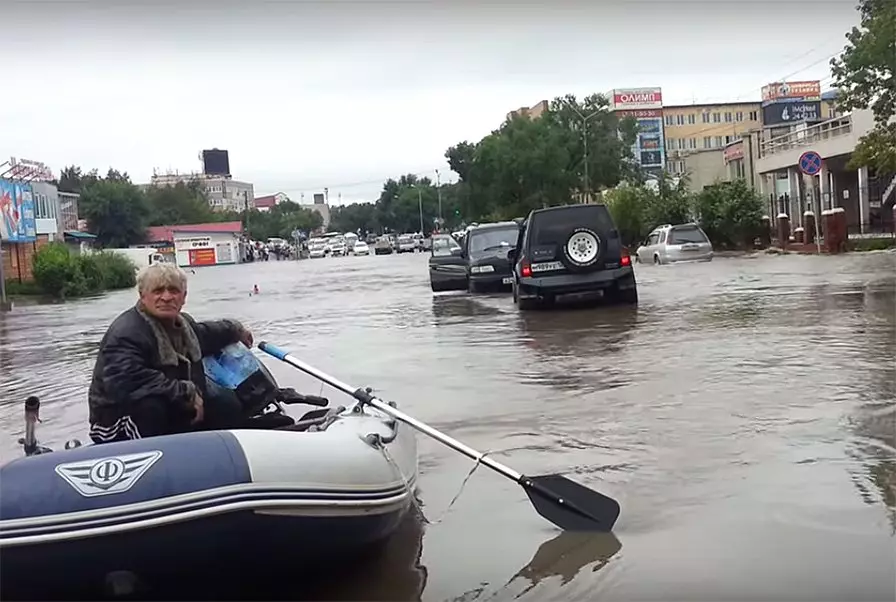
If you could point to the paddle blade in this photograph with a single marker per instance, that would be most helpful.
(571, 506)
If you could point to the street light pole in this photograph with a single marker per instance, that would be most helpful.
(585, 119)
(439, 190)
(420, 205)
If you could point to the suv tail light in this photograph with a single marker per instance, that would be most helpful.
(525, 269)
(625, 260)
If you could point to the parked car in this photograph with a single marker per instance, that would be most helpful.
(407, 243)
(447, 267)
(485, 251)
(317, 247)
(671, 244)
(382, 246)
(571, 249)
(361, 248)
(337, 247)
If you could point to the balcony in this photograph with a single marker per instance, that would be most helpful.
(831, 138)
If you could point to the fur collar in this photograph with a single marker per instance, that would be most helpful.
(167, 354)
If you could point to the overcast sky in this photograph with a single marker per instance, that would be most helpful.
(346, 94)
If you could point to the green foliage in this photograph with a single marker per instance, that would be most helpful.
(531, 163)
(872, 244)
(116, 211)
(60, 274)
(864, 77)
(730, 213)
(15, 288)
(183, 203)
(627, 205)
(281, 220)
(57, 272)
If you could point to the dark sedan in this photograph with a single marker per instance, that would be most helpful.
(486, 254)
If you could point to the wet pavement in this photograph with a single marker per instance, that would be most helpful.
(744, 416)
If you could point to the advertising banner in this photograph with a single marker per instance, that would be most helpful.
(633, 99)
(202, 257)
(791, 112)
(649, 147)
(17, 223)
(802, 91)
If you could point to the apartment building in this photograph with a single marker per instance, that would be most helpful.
(223, 192)
(532, 112)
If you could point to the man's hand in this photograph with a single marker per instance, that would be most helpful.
(198, 408)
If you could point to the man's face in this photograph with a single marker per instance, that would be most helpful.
(164, 302)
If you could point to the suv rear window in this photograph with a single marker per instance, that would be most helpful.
(553, 227)
(685, 234)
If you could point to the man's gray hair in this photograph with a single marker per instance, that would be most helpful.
(160, 275)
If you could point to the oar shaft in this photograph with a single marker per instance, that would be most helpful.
(395, 413)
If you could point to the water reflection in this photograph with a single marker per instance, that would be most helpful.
(564, 556)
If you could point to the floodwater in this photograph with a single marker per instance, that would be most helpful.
(744, 416)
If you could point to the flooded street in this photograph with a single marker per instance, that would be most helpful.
(744, 416)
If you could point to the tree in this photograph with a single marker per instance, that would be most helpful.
(116, 211)
(530, 163)
(864, 77)
(71, 179)
(730, 213)
(182, 203)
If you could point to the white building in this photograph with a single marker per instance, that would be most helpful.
(223, 192)
(195, 245)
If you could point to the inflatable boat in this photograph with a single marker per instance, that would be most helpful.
(140, 514)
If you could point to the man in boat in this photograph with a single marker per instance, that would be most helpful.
(149, 379)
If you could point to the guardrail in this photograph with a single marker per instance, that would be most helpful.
(833, 128)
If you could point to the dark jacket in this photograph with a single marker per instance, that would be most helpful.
(137, 364)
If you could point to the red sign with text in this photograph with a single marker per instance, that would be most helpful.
(202, 257)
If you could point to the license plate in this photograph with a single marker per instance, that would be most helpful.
(507, 280)
(547, 266)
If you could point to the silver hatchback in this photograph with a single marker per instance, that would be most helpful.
(671, 244)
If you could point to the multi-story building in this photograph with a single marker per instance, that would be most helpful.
(223, 192)
(266, 203)
(532, 112)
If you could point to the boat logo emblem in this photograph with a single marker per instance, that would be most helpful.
(106, 476)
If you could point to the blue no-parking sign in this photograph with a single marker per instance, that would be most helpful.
(810, 163)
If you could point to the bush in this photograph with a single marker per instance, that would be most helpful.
(60, 274)
(730, 213)
(118, 271)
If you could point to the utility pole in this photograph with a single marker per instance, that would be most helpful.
(585, 119)
(439, 190)
(4, 302)
(420, 205)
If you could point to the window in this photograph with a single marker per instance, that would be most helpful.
(692, 143)
(679, 119)
(443, 245)
(739, 116)
(717, 118)
(670, 143)
(729, 139)
(729, 117)
(670, 120)
(754, 115)
(718, 141)
(705, 116)
(692, 119)
(707, 142)
(680, 235)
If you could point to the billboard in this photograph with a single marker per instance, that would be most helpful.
(635, 99)
(17, 222)
(801, 91)
(783, 113)
(649, 147)
(215, 162)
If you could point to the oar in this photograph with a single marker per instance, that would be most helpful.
(565, 503)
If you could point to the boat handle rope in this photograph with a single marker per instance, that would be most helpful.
(378, 445)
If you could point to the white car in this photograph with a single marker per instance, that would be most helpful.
(361, 248)
(337, 248)
(671, 244)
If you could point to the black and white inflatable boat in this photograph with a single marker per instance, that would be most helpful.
(158, 509)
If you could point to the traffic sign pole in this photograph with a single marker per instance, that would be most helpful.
(810, 164)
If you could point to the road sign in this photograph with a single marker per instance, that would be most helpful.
(810, 163)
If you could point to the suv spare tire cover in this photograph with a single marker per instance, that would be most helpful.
(582, 249)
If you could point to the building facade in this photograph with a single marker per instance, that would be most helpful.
(532, 112)
(196, 245)
(266, 203)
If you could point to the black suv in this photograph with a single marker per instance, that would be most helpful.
(569, 250)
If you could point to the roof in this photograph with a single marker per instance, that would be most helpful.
(497, 225)
(77, 234)
(265, 201)
(158, 233)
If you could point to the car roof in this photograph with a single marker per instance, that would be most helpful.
(495, 225)
(566, 207)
